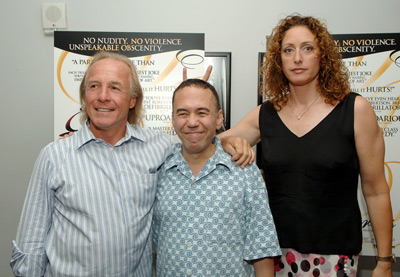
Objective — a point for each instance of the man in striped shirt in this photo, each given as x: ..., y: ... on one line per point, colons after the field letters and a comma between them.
x: 89, y: 204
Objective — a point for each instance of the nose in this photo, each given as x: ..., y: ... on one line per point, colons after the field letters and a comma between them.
x: 298, y: 58
x: 104, y: 94
x: 192, y: 121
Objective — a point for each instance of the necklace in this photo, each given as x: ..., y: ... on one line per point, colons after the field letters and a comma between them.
x: 309, y: 106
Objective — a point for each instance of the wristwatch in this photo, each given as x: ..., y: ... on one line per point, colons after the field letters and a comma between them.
x: 391, y: 259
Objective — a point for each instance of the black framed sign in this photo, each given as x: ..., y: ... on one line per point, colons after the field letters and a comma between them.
x: 221, y: 79
x: 260, y: 99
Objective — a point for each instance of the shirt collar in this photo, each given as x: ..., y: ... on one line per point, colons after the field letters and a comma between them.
x: 220, y: 157
x: 85, y: 135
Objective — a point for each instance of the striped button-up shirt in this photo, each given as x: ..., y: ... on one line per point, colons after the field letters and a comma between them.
x: 88, y: 209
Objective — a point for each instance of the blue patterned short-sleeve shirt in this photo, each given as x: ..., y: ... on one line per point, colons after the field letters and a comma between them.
x: 212, y: 224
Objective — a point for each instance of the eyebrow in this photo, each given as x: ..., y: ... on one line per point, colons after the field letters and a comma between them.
x: 199, y: 109
x: 302, y: 43
x: 116, y: 83
x: 97, y: 81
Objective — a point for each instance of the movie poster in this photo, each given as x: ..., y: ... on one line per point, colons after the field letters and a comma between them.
x: 159, y: 59
x: 373, y: 61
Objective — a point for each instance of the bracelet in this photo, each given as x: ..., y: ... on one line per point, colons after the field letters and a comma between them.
x: 391, y: 259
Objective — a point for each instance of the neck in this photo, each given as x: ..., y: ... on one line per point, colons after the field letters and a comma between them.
x: 303, y: 95
x: 197, y: 161
x: 300, y: 101
x: 109, y: 136
x: 310, y: 88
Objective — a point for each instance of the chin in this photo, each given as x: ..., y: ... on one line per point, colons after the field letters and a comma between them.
x: 195, y: 149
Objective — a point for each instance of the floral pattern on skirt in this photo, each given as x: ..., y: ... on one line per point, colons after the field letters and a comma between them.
x: 295, y: 264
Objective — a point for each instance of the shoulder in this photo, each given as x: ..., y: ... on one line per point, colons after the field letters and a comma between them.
x: 252, y: 171
x: 248, y: 175
x: 364, y: 113
x: 174, y: 158
x: 265, y: 109
x: 152, y: 142
x: 152, y: 138
x: 357, y: 100
x: 149, y: 134
x: 366, y: 127
x: 266, y: 105
x: 358, y: 106
x: 60, y: 146
x: 52, y: 155
x: 361, y: 104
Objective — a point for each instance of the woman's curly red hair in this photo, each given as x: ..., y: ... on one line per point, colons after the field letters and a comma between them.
x: 333, y: 78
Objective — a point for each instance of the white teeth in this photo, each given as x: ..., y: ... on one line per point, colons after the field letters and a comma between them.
x: 103, y: 110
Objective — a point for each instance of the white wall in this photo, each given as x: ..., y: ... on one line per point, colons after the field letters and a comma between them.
x: 240, y: 27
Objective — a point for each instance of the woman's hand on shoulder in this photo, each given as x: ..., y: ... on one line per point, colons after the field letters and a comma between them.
x: 240, y: 150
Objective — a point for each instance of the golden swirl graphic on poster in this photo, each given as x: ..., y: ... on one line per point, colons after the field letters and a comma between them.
x: 60, y: 83
x: 170, y: 67
x: 357, y: 63
x: 390, y: 173
x: 146, y: 62
x: 378, y: 73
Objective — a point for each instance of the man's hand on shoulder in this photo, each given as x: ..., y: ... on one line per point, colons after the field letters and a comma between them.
x: 65, y: 135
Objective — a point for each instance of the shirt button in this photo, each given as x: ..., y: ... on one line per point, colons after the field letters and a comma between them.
x: 194, y: 184
x: 189, y: 244
x: 188, y: 272
x: 191, y: 214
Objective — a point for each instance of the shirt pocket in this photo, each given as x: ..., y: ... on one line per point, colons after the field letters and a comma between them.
x: 141, y: 192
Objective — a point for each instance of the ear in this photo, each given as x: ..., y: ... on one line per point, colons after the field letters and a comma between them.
x: 132, y: 102
x: 220, y: 119
x: 173, y: 119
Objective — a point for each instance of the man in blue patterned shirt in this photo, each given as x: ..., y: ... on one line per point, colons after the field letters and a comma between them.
x: 210, y: 217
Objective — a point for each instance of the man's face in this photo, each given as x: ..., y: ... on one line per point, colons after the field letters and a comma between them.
x: 107, y: 96
x: 195, y: 119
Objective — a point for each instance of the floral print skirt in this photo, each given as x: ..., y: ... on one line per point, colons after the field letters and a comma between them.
x: 295, y: 264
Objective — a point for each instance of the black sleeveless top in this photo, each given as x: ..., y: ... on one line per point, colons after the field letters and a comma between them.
x: 312, y: 181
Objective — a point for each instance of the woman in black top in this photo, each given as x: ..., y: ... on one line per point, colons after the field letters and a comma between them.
x: 316, y: 138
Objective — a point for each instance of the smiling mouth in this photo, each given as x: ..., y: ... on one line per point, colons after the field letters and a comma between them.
x: 193, y: 134
x: 103, y: 110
